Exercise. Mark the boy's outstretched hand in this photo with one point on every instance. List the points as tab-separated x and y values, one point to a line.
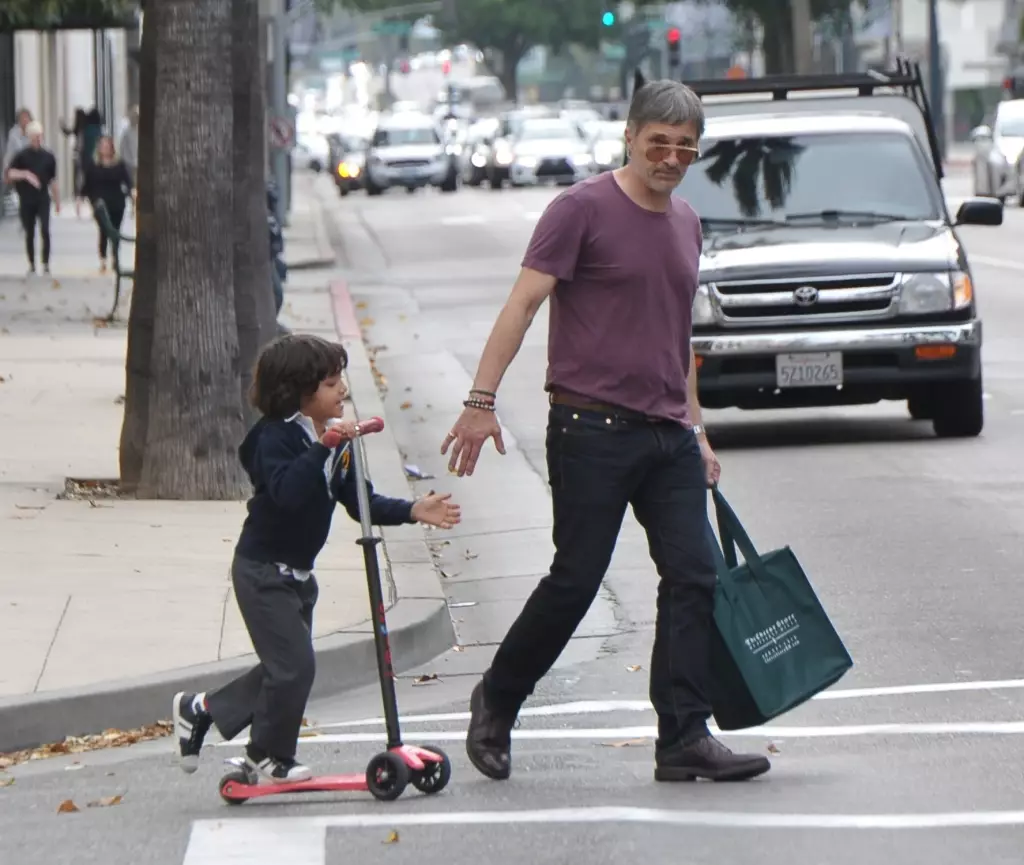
435	509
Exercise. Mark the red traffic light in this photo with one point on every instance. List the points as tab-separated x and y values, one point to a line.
673	35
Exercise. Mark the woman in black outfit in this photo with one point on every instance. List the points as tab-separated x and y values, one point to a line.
107	180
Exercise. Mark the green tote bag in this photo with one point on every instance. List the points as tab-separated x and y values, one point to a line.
774	646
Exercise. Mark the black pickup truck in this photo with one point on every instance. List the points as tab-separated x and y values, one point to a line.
832	271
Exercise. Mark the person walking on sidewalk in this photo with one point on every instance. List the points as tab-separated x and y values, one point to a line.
107	180
299	464
33	170
618	256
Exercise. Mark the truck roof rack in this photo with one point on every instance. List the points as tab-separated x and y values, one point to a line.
905	78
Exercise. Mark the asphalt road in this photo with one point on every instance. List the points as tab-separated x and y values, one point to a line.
914	545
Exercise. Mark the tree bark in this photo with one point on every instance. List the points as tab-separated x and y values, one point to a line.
138	362
253	294
509	77
777	43
195	412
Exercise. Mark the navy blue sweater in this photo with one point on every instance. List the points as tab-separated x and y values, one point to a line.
292	504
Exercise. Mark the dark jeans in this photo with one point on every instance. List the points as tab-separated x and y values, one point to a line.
116	211
31	209
598	465
278	613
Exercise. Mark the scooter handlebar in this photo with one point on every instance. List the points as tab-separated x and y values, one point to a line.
370	425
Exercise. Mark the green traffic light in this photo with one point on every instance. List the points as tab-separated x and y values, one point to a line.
608	19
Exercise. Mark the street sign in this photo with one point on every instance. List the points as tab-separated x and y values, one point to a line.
391	28
281	133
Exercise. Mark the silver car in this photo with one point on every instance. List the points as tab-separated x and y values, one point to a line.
997	164
608	140
543	150
406	150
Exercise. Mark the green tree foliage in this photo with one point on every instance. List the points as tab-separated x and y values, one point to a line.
67	14
774	18
510	28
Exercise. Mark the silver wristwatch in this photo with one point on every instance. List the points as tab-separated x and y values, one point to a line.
698	429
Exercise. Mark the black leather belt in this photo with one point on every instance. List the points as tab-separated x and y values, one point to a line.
582	403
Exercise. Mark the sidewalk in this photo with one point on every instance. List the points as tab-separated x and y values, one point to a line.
109	606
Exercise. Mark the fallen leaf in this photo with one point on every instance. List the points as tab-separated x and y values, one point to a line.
425	679
628	743
106	802
100	322
308	734
67	807
80	744
361	305
772	749
634	668
470	555
405	405
458	648
392	838
366	322
6	782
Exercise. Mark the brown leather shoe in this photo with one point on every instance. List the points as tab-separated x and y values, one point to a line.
489	738
707	758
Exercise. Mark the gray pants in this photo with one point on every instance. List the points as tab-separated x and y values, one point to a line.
278	613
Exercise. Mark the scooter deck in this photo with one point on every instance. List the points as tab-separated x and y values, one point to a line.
320	784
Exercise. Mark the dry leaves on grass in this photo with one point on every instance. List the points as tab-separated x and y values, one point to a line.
81	744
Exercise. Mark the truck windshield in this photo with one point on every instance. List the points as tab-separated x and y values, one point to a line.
738	180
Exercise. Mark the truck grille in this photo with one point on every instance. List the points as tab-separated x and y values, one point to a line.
818	299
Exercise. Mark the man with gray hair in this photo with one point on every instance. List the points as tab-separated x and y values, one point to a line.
618	256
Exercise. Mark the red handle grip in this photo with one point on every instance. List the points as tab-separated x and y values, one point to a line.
370	425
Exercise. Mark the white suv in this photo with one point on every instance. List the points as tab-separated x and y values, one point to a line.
406	150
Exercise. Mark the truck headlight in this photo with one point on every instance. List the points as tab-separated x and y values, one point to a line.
922	293
703	311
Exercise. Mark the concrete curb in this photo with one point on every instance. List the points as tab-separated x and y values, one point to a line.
325	255
419	624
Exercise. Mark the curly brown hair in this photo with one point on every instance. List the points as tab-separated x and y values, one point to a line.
290	369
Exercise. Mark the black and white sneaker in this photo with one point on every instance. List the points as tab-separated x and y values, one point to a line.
191	724
280	770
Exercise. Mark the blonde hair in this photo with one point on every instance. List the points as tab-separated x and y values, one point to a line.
96	158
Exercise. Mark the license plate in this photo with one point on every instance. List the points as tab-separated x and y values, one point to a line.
820	369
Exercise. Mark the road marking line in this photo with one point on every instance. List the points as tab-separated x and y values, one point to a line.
592	707
257	842
842	731
467	219
248	841
1004	263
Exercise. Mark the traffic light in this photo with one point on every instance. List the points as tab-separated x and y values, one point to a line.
672	39
608	19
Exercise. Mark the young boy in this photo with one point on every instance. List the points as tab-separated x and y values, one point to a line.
299	466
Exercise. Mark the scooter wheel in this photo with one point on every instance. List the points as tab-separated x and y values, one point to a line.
387	776
226	784
434	777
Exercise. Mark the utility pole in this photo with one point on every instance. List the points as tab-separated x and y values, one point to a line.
802	22
935	96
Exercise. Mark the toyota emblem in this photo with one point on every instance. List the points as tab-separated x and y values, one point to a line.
805	295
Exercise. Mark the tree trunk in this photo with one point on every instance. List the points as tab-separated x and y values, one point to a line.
138	363
195	412
509	77
777	43
253	293
802	22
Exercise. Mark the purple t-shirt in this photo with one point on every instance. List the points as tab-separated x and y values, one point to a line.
621	314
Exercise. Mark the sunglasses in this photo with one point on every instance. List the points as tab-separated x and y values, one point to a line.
661	152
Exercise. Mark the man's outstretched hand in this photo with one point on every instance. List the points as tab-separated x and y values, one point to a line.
467	438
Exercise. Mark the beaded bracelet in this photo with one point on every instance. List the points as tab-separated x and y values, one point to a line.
483	393
479	403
